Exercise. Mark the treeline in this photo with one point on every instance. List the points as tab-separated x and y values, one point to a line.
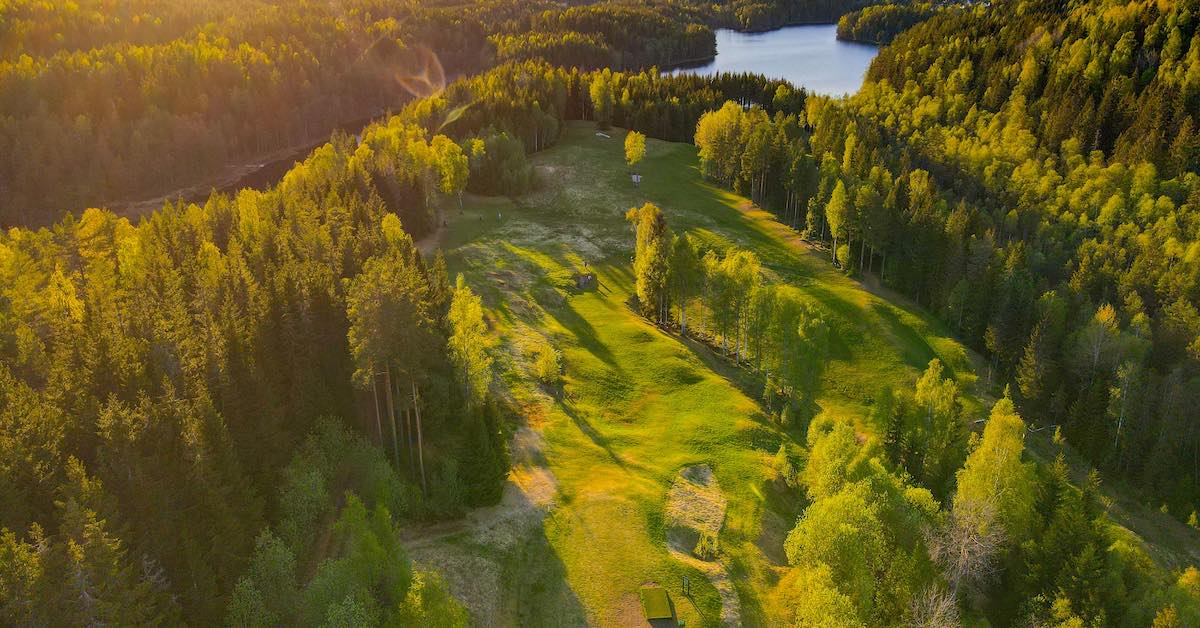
761	15
624	36
1062	208
40	29
669	106
93	124
880	24
637	36
157	379
106	102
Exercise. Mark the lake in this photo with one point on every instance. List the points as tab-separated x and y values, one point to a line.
810	56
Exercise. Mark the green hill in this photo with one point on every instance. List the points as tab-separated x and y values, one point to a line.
639	403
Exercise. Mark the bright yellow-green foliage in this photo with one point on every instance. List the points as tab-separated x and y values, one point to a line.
468	340
429	603
843	531
635	147
819	604
637	405
832	461
995	476
717	137
547	367
452	163
603	98
650	258
837	212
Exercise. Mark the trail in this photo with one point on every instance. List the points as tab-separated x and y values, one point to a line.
718	576
528	494
475	579
431	242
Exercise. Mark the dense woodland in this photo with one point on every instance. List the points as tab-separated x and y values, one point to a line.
103	102
161	380
881	23
1085	309
1070	261
1045	203
928	519
223	412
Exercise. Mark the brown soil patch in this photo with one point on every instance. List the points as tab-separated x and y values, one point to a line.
695	507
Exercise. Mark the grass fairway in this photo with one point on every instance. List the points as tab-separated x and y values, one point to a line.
639	404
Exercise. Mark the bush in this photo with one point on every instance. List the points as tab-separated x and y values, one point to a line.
447	494
547	366
707	547
784	467
843	256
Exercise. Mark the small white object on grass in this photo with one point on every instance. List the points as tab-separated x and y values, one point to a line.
604	135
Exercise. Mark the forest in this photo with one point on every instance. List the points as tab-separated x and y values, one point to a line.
233	411
881	23
103	102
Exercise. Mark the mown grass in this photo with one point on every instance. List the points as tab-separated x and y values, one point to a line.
638	404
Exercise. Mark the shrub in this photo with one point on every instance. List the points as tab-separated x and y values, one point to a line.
547	366
707	547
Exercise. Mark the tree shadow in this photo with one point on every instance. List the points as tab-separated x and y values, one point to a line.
585	332
536	591
741	378
913	347
590	431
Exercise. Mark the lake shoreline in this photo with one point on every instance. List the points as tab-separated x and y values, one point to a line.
809	55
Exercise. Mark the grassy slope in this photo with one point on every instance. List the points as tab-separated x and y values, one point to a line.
639	404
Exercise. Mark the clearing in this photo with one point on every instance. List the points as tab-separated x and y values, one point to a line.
585	518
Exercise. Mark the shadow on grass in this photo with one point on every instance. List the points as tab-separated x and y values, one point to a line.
590	431
536	589
584	331
913	347
741	378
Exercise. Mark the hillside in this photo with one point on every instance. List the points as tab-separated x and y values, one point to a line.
568	340
640	403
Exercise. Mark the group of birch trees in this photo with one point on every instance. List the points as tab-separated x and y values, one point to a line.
725	299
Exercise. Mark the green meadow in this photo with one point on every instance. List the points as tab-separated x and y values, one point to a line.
639	403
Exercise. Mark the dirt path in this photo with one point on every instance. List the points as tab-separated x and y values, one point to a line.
431	242
478	580
718	576
528	495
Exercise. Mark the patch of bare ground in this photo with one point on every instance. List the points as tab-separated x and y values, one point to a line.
431	242
448	547
629	611
695	508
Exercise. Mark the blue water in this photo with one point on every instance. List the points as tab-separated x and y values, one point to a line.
810	56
